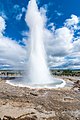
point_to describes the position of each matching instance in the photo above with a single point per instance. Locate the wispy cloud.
(58, 13)
(3, 15)
(19, 16)
(16, 6)
(18, 11)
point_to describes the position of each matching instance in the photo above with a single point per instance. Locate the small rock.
(68, 99)
(8, 118)
(34, 94)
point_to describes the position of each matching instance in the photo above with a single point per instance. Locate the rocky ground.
(17, 103)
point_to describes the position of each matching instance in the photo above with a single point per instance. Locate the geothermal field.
(23, 103)
(39, 93)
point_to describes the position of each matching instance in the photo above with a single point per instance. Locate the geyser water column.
(38, 71)
(38, 74)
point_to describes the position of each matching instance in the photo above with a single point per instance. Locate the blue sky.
(57, 11)
(63, 16)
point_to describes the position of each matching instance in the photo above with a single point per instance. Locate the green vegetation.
(19, 73)
(66, 72)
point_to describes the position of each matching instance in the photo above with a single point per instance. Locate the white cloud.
(75, 61)
(23, 9)
(76, 46)
(19, 16)
(3, 15)
(2, 25)
(25, 33)
(58, 13)
(52, 26)
(60, 46)
(59, 43)
(54, 61)
(16, 6)
(18, 11)
(72, 23)
(11, 53)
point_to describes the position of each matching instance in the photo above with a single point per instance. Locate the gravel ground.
(17, 103)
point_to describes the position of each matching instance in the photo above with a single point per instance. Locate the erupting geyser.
(38, 70)
(38, 74)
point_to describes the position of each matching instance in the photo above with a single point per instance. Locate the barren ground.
(17, 103)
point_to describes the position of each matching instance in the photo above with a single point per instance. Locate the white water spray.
(38, 70)
(38, 74)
